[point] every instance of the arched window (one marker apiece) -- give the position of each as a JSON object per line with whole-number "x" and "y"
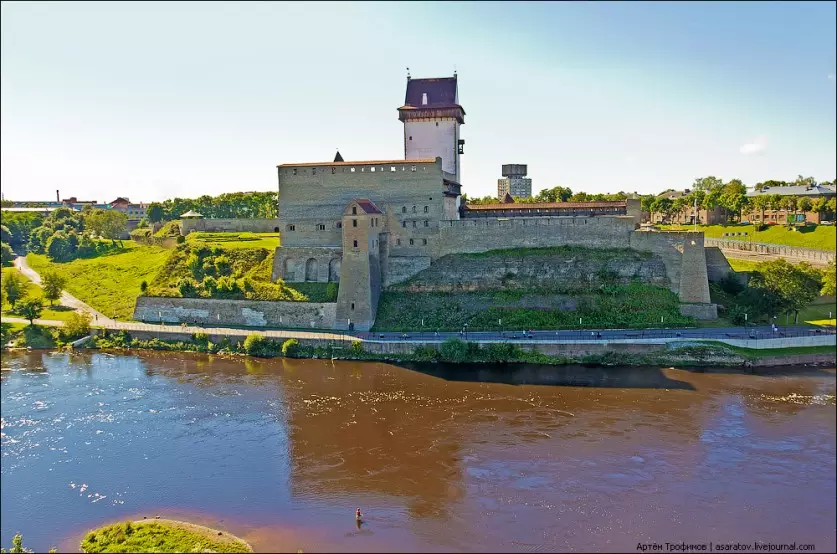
{"x": 426, "y": 209}
{"x": 403, "y": 209}
{"x": 411, "y": 242}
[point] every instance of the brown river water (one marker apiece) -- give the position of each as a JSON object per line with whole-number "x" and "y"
{"x": 439, "y": 458}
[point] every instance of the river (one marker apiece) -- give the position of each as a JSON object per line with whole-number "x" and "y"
{"x": 281, "y": 452}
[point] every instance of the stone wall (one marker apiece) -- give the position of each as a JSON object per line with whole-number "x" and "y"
{"x": 717, "y": 265}
{"x": 229, "y": 225}
{"x": 821, "y": 257}
{"x": 700, "y": 311}
{"x": 400, "y": 268}
{"x": 480, "y": 235}
{"x": 553, "y": 270}
{"x": 236, "y": 312}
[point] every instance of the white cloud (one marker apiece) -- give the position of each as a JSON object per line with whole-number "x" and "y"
{"x": 756, "y": 147}
{"x": 630, "y": 159}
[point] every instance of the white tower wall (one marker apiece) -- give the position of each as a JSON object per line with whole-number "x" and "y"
{"x": 433, "y": 137}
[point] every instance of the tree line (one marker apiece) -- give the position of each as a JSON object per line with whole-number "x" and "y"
{"x": 231, "y": 205}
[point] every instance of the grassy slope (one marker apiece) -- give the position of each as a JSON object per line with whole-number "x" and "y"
{"x": 820, "y": 237}
{"x": 155, "y": 536}
{"x": 253, "y": 263}
{"x": 774, "y": 352}
{"x": 57, "y": 312}
{"x": 109, "y": 282}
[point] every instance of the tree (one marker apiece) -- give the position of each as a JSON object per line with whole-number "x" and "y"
{"x": 760, "y": 203}
{"x": 155, "y": 212}
{"x": 804, "y": 205}
{"x": 5, "y": 234}
{"x": 733, "y": 197}
{"x": 707, "y": 183}
{"x": 829, "y": 279}
{"x": 59, "y": 248}
{"x": 77, "y": 325}
{"x": 109, "y": 224}
{"x": 53, "y": 284}
{"x": 30, "y": 308}
{"x": 13, "y": 288}
{"x": 18, "y": 548}
{"x": 7, "y": 255}
{"x": 797, "y": 286}
{"x": 555, "y": 194}
{"x": 805, "y": 181}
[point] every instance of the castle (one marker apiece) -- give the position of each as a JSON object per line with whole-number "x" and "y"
{"x": 370, "y": 224}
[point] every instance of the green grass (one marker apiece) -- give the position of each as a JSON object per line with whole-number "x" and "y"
{"x": 156, "y": 536}
{"x": 755, "y": 353}
{"x": 742, "y": 265}
{"x": 110, "y": 283}
{"x": 819, "y": 237}
{"x": 56, "y": 312}
{"x": 635, "y": 305}
{"x": 817, "y": 312}
{"x": 269, "y": 241}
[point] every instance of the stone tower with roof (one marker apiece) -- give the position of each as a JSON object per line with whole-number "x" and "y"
{"x": 432, "y": 115}
{"x": 364, "y": 240}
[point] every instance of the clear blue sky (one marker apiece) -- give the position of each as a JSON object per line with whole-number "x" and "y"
{"x": 155, "y": 100}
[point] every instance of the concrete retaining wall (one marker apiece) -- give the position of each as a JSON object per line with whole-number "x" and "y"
{"x": 308, "y": 315}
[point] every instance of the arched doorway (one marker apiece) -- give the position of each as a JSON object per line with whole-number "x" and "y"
{"x": 288, "y": 270}
{"x": 334, "y": 270}
{"x": 311, "y": 270}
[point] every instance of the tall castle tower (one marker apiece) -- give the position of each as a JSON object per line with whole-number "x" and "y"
{"x": 432, "y": 115}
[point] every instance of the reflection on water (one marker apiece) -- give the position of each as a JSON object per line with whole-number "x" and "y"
{"x": 281, "y": 452}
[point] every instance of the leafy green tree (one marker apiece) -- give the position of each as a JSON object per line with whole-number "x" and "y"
{"x": 796, "y": 286}
{"x": 52, "y": 283}
{"x": 804, "y": 205}
{"x": 805, "y": 181}
{"x": 5, "y": 234}
{"x": 733, "y": 197}
{"x": 829, "y": 279}
{"x": 59, "y": 248}
{"x": 109, "y": 224}
{"x": 555, "y": 194}
{"x": 7, "y": 255}
{"x": 30, "y": 308}
{"x": 20, "y": 224}
{"x": 155, "y": 212}
{"x": 13, "y": 288}
{"x": 707, "y": 183}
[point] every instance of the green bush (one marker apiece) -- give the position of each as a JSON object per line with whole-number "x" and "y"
{"x": 187, "y": 287}
{"x": 291, "y": 348}
{"x": 357, "y": 347}
{"x": 454, "y": 350}
{"x": 59, "y": 247}
{"x": 425, "y": 354}
{"x": 255, "y": 344}
{"x": 76, "y": 326}
{"x": 222, "y": 265}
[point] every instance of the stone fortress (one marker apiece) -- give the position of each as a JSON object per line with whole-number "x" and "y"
{"x": 371, "y": 224}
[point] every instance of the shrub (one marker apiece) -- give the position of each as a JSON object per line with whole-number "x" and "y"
{"x": 13, "y": 288}
{"x": 209, "y": 284}
{"x": 194, "y": 264}
{"x": 357, "y": 347}
{"x": 86, "y": 246}
{"x": 77, "y": 326}
{"x": 730, "y": 284}
{"x": 454, "y": 350}
{"x": 425, "y": 354}
{"x": 256, "y": 345}
{"x": 6, "y": 254}
{"x": 201, "y": 337}
{"x": 186, "y": 287}
{"x": 144, "y": 286}
{"x": 290, "y": 348}
{"x": 222, "y": 265}
{"x": 503, "y": 352}
{"x": 180, "y": 239}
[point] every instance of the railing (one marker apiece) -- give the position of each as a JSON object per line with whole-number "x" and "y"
{"x": 775, "y": 249}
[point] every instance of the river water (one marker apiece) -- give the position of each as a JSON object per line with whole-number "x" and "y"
{"x": 281, "y": 452}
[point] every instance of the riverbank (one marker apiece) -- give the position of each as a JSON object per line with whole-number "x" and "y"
{"x": 594, "y": 353}
{"x": 161, "y": 535}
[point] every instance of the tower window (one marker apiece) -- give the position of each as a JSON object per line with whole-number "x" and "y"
{"x": 291, "y": 227}
{"x": 411, "y": 138}
{"x": 354, "y": 223}
{"x": 353, "y": 305}
{"x": 425, "y": 209}
{"x": 437, "y": 124}
{"x": 354, "y": 210}
{"x": 411, "y": 242}
{"x": 398, "y": 242}
{"x": 339, "y": 224}
{"x": 424, "y": 242}
{"x": 423, "y": 98}
{"x": 403, "y": 209}
{"x": 426, "y": 223}
{"x": 404, "y": 224}
{"x": 294, "y": 171}
{"x": 321, "y": 227}
{"x": 355, "y": 243}
{"x": 313, "y": 171}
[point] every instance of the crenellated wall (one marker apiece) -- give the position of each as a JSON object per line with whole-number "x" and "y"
{"x": 229, "y": 225}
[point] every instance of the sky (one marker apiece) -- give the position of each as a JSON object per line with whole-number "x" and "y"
{"x": 156, "y": 100}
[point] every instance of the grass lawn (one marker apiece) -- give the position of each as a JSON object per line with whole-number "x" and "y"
{"x": 269, "y": 241}
{"x": 56, "y": 312}
{"x": 820, "y": 237}
{"x": 160, "y": 536}
{"x": 109, "y": 282}
{"x": 817, "y": 313}
{"x": 742, "y": 265}
{"x": 771, "y": 352}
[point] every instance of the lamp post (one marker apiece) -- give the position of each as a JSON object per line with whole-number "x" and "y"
{"x": 500, "y": 324}
{"x": 422, "y": 329}
{"x": 466, "y": 331}
{"x": 745, "y": 323}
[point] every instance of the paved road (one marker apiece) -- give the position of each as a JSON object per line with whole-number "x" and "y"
{"x": 430, "y": 336}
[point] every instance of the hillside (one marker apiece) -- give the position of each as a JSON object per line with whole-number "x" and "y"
{"x": 818, "y": 237}
{"x": 538, "y": 288}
